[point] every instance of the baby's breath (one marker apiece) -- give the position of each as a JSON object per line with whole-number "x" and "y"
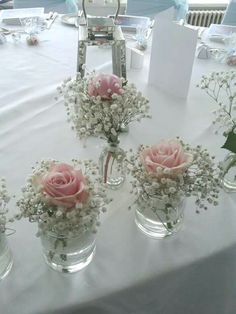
{"x": 4, "y": 199}
{"x": 94, "y": 116}
{"x": 221, "y": 87}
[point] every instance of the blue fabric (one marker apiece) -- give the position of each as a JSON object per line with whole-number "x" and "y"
{"x": 181, "y": 9}
{"x": 61, "y": 6}
{"x": 71, "y": 6}
{"x": 230, "y": 14}
{"x": 153, "y": 7}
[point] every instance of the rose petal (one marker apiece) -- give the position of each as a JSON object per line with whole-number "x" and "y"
{"x": 167, "y": 154}
{"x": 61, "y": 167}
{"x": 105, "y": 85}
{"x": 63, "y": 186}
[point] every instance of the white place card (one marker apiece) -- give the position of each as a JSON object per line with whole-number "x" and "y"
{"x": 172, "y": 57}
{"x": 13, "y": 16}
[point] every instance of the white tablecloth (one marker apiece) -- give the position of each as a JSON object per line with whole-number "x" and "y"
{"x": 193, "y": 271}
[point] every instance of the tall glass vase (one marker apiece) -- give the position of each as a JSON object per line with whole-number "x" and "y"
{"x": 111, "y": 165}
{"x": 228, "y": 178}
{"x": 68, "y": 254}
{"x": 158, "y": 221}
{"x": 6, "y": 260}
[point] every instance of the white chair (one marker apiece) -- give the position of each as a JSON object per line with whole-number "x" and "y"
{"x": 230, "y": 14}
{"x": 5, "y": 4}
{"x": 4, "y": 1}
{"x": 153, "y": 7}
{"x": 60, "y": 6}
{"x": 71, "y": 6}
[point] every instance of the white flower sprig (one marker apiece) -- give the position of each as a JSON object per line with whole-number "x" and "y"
{"x": 200, "y": 180}
{"x": 104, "y": 118}
{"x": 221, "y": 87}
{"x": 85, "y": 216}
{"x": 4, "y": 199}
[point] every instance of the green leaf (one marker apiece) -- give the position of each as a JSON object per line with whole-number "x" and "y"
{"x": 230, "y": 143}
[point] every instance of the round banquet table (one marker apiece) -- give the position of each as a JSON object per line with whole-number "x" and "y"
{"x": 193, "y": 271}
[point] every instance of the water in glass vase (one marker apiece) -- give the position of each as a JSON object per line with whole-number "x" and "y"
{"x": 111, "y": 165}
{"x": 157, "y": 222}
{"x": 68, "y": 254}
{"x": 6, "y": 261}
{"x": 228, "y": 178}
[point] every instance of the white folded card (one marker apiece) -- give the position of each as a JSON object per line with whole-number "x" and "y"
{"x": 172, "y": 56}
{"x": 13, "y": 16}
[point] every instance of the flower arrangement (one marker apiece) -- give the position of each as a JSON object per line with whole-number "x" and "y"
{"x": 101, "y": 104}
{"x": 66, "y": 201}
{"x": 63, "y": 198}
{"x": 4, "y": 199}
{"x": 173, "y": 170}
{"x": 221, "y": 87}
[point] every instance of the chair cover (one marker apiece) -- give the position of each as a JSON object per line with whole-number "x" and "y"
{"x": 230, "y": 14}
{"x": 153, "y": 7}
{"x": 61, "y": 6}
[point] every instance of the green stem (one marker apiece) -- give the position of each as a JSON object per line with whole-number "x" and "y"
{"x": 168, "y": 225}
{"x": 52, "y": 253}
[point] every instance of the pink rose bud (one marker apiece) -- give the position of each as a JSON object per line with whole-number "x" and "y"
{"x": 105, "y": 85}
{"x": 168, "y": 155}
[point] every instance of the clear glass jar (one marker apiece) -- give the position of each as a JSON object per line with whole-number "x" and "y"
{"x": 228, "y": 179}
{"x": 142, "y": 36}
{"x": 6, "y": 260}
{"x": 158, "y": 222}
{"x": 68, "y": 254}
{"x": 111, "y": 165}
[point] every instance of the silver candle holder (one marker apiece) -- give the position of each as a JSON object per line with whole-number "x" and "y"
{"x": 99, "y": 31}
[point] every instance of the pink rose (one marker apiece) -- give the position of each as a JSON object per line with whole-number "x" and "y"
{"x": 64, "y": 186}
{"x": 105, "y": 85}
{"x": 168, "y": 155}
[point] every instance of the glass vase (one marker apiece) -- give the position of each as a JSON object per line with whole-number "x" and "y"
{"x": 228, "y": 177}
{"x": 6, "y": 260}
{"x": 68, "y": 254}
{"x": 111, "y": 165}
{"x": 158, "y": 221}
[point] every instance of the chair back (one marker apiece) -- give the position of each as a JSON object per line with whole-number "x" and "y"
{"x": 5, "y": 4}
{"x": 230, "y": 14}
{"x": 153, "y": 7}
{"x": 60, "y": 6}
